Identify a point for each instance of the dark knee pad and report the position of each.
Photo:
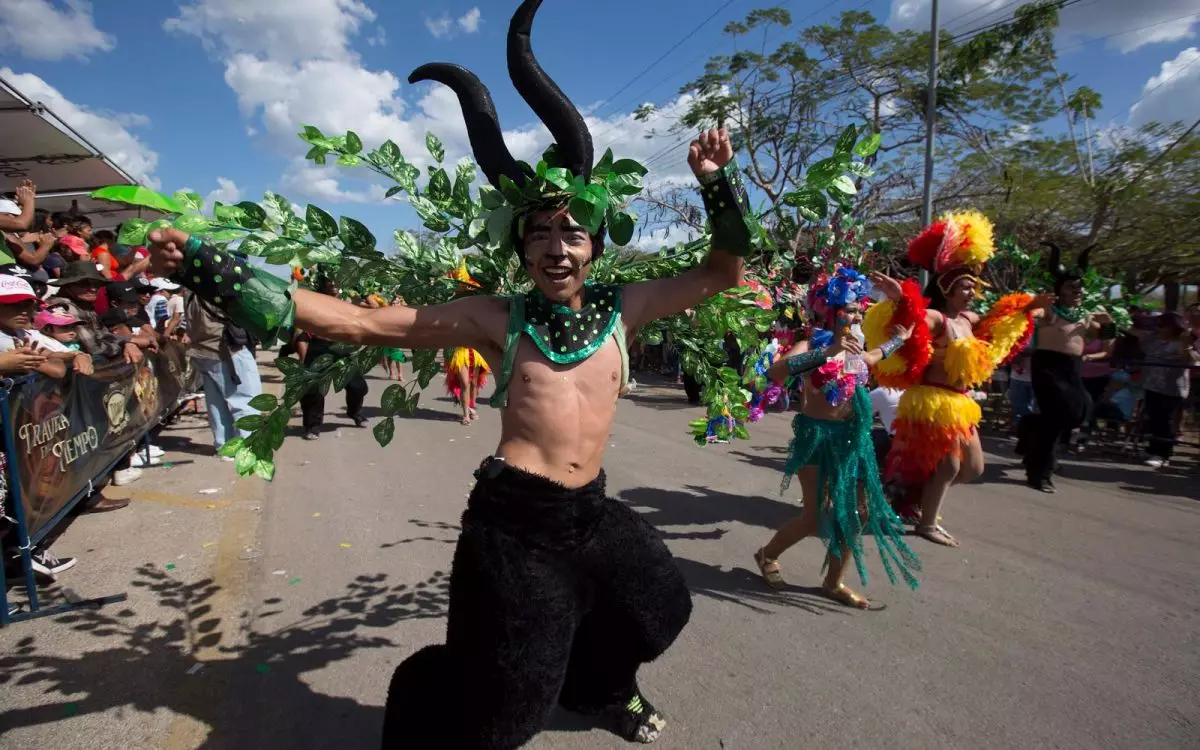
(417, 712)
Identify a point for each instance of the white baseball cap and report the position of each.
(165, 285)
(9, 207)
(15, 289)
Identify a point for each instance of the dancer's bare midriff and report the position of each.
(559, 417)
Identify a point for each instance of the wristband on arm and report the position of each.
(889, 347)
(251, 298)
(802, 363)
(728, 207)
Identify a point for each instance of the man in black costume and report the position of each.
(558, 593)
(1056, 368)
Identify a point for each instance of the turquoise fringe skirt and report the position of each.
(844, 456)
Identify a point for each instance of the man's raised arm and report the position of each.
(262, 304)
(725, 201)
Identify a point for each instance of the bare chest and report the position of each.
(594, 381)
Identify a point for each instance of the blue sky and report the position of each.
(208, 94)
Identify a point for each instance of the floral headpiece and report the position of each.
(595, 195)
(829, 292)
(954, 247)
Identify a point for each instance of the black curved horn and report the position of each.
(1055, 258)
(1083, 257)
(544, 96)
(479, 112)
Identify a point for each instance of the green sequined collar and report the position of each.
(1069, 314)
(567, 336)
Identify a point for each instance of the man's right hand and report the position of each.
(166, 250)
(27, 194)
(21, 359)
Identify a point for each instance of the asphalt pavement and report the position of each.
(272, 615)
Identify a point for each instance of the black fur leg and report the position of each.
(417, 696)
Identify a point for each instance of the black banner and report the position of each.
(68, 431)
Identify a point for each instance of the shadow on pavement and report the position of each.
(251, 695)
(698, 506)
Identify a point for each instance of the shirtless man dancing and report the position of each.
(1063, 401)
(558, 593)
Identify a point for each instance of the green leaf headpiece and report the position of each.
(595, 195)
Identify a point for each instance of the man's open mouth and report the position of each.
(558, 273)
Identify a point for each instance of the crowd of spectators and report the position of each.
(70, 299)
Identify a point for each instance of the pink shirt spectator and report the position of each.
(1095, 369)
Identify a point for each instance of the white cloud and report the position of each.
(282, 30)
(279, 90)
(1171, 95)
(445, 27)
(227, 192)
(1131, 24)
(440, 27)
(471, 21)
(104, 130)
(40, 31)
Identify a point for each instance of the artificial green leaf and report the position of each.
(411, 406)
(490, 197)
(620, 228)
(393, 190)
(188, 200)
(435, 147)
(740, 432)
(461, 205)
(604, 166)
(587, 213)
(425, 208)
(252, 245)
(845, 143)
(321, 254)
(858, 169)
(438, 190)
(295, 228)
(627, 167)
(812, 204)
(264, 402)
(278, 209)
(393, 400)
(349, 160)
(391, 154)
(277, 426)
(355, 235)
(265, 469)
(231, 447)
(560, 177)
(191, 224)
(740, 412)
(425, 366)
(245, 460)
(822, 173)
(844, 184)
(321, 225)
(133, 232)
(385, 430)
(253, 216)
(281, 251)
(288, 366)
(250, 422)
(465, 170)
(353, 142)
(406, 242)
(625, 184)
(406, 177)
(137, 195)
(868, 145)
(510, 190)
(499, 224)
(312, 134)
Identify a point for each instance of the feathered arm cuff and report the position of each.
(905, 367)
(1007, 327)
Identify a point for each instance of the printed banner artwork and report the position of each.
(68, 431)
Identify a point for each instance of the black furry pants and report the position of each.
(1063, 404)
(556, 596)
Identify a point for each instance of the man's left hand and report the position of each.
(710, 152)
(133, 354)
(83, 364)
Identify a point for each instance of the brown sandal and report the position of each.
(769, 569)
(842, 594)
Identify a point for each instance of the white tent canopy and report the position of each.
(37, 145)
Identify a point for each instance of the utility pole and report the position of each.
(930, 123)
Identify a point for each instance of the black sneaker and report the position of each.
(47, 564)
(359, 421)
(312, 434)
(638, 721)
(1041, 485)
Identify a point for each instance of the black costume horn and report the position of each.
(1083, 258)
(1056, 266)
(544, 96)
(479, 112)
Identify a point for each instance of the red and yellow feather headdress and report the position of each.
(954, 247)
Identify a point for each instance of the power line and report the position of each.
(1164, 82)
(666, 54)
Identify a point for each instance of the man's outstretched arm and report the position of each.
(262, 304)
(711, 159)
